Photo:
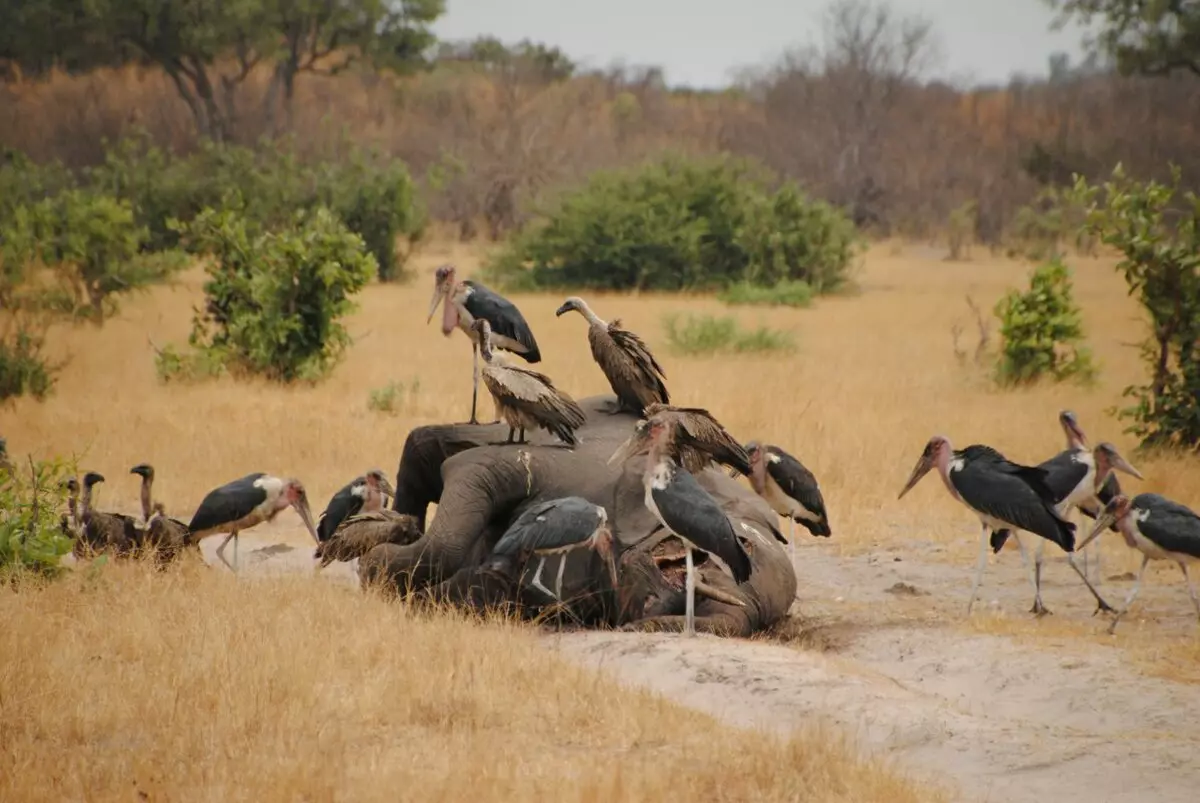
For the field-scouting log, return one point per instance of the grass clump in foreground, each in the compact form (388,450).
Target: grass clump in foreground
(194,686)
(699,335)
(783,294)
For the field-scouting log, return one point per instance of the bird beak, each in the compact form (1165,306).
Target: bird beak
(433,303)
(562,309)
(386,488)
(1120,463)
(622,452)
(1103,522)
(919,470)
(306,516)
(605,547)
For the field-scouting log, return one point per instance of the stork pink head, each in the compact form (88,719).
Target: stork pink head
(1107,459)
(937,453)
(297,497)
(444,279)
(1070,424)
(1117,510)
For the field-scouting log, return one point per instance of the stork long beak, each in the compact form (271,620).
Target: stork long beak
(623,451)
(386,488)
(1103,522)
(924,464)
(306,516)
(438,292)
(1121,464)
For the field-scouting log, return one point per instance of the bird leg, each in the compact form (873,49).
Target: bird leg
(1191,589)
(474,381)
(1038,608)
(792,540)
(511,434)
(1137,584)
(521,437)
(1101,605)
(689,618)
(537,578)
(562,565)
(980,566)
(221,551)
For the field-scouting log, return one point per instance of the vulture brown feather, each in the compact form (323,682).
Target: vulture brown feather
(358,534)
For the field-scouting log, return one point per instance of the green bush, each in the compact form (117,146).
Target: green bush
(31,503)
(391,397)
(783,294)
(1156,228)
(1040,330)
(275,299)
(24,368)
(699,335)
(23,183)
(680,224)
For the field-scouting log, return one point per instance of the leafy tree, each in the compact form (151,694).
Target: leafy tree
(31,501)
(1147,37)
(1041,330)
(1156,229)
(275,299)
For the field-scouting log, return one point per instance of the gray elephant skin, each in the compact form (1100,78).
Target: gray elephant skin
(481,485)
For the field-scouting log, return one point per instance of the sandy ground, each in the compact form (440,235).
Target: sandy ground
(996,717)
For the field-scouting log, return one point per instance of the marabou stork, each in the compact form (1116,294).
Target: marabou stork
(687,511)
(789,488)
(359,534)
(1003,494)
(1158,528)
(1075,476)
(348,501)
(557,527)
(168,537)
(245,502)
(101,531)
(696,439)
(1111,487)
(525,398)
(632,372)
(468,302)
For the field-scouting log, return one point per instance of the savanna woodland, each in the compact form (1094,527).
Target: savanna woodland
(219,226)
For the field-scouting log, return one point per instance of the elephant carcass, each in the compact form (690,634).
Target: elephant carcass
(481,485)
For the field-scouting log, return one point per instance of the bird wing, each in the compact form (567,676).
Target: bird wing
(555,524)
(359,534)
(504,318)
(1174,527)
(342,504)
(230,502)
(627,362)
(1063,473)
(795,479)
(702,432)
(533,393)
(1012,493)
(690,512)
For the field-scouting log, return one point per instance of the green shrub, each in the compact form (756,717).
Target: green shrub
(1040,330)
(1042,229)
(275,299)
(680,224)
(698,335)
(23,183)
(173,365)
(961,230)
(391,397)
(24,368)
(782,294)
(31,503)
(1156,228)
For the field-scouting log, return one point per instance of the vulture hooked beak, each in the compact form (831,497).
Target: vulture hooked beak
(566,307)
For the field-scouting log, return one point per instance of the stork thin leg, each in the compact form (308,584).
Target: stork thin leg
(1101,605)
(474,381)
(1037,608)
(792,539)
(1095,548)
(979,567)
(689,613)
(1191,589)
(562,566)
(221,551)
(1137,585)
(1038,553)
(537,578)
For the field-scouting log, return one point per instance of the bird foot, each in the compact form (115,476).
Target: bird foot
(1103,607)
(1039,609)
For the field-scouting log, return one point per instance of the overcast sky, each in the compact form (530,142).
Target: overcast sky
(699,42)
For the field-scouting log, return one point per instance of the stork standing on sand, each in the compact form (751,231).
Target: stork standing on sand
(525,398)
(688,512)
(245,502)
(789,488)
(467,302)
(634,375)
(1158,528)
(1004,495)
(1106,489)
(557,527)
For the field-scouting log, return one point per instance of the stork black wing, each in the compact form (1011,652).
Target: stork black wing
(556,524)
(1172,526)
(342,505)
(1063,474)
(799,483)
(688,510)
(504,318)
(228,503)
(1016,495)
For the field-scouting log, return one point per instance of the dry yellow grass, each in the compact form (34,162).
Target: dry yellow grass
(290,688)
(195,685)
